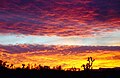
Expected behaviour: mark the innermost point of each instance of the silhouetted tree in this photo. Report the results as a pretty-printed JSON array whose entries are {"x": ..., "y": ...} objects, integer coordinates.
[
  {"x": 73, "y": 69},
  {"x": 32, "y": 67},
  {"x": 1, "y": 62},
  {"x": 11, "y": 66},
  {"x": 35, "y": 65},
  {"x": 7, "y": 66},
  {"x": 88, "y": 65},
  {"x": 83, "y": 66},
  {"x": 58, "y": 67},
  {"x": 28, "y": 67},
  {"x": 23, "y": 66},
  {"x": 40, "y": 67},
  {"x": 91, "y": 60},
  {"x": 4, "y": 64},
  {"x": 46, "y": 67}
]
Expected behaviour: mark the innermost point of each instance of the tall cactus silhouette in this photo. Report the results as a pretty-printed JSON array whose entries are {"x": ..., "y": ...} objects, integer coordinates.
[
  {"x": 91, "y": 62},
  {"x": 88, "y": 66}
]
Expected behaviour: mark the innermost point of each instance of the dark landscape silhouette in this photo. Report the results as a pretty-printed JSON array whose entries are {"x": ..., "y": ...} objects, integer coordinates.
[{"x": 38, "y": 71}]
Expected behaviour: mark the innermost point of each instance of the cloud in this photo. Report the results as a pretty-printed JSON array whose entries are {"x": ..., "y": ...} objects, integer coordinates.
[
  {"x": 55, "y": 55},
  {"x": 21, "y": 48},
  {"x": 61, "y": 17}
]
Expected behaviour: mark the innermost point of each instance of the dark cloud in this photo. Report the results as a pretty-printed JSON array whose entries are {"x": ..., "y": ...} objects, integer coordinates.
[
  {"x": 61, "y": 17},
  {"x": 43, "y": 49},
  {"x": 106, "y": 9},
  {"x": 117, "y": 57}
]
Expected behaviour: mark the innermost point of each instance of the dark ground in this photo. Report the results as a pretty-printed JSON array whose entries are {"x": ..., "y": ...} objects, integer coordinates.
[{"x": 26, "y": 73}]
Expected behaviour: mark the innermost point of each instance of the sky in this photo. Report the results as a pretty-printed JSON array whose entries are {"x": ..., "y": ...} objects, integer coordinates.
[
  {"x": 60, "y": 20},
  {"x": 108, "y": 39},
  {"x": 30, "y": 23}
]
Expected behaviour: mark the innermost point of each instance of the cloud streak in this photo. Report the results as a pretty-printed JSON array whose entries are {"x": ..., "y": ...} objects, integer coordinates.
[{"x": 21, "y": 48}]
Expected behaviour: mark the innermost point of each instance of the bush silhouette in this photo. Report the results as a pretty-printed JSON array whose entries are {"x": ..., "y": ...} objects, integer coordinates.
[{"x": 23, "y": 66}]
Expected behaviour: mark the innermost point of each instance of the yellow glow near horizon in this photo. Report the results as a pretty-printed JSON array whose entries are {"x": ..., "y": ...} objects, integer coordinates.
[{"x": 106, "y": 59}]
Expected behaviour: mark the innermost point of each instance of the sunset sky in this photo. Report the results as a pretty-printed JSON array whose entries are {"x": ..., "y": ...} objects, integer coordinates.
[{"x": 46, "y": 31}]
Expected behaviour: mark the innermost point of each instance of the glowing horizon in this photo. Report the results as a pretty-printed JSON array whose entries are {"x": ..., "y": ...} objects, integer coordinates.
[{"x": 74, "y": 56}]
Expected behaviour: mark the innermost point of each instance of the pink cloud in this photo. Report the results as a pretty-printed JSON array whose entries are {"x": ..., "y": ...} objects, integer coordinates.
[{"x": 61, "y": 18}]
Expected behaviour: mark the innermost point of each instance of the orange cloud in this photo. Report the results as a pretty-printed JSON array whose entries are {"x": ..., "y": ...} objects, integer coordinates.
[{"x": 67, "y": 56}]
